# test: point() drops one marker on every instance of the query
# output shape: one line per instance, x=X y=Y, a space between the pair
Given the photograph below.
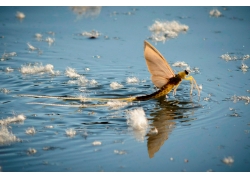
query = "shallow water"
x=194 y=133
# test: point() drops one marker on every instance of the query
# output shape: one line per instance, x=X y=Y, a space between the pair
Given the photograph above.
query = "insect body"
x=162 y=76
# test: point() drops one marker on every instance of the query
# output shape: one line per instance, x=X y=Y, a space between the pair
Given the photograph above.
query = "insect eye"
x=187 y=72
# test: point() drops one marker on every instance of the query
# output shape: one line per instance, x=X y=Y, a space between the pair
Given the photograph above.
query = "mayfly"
x=162 y=76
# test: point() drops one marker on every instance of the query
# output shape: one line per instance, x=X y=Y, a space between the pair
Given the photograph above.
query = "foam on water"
x=137 y=120
x=120 y=152
x=92 y=34
x=82 y=81
x=7 y=137
x=7 y=56
x=70 y=72
x=38 y=69
x=163 y=30
x=50 y=40
x=15 y=119
x=116 y=85
x=20 y=15
x=229 y=57
x=93 y=82
x=241 y=98
x=30 y=47
x=70 y=132
x=96 y=143
x=244 y=67
x=4 y=90
x=30 y=131
x=31 y=151
x=180 y=64
x=228 y=160
x=215 y=13
x=132 y=80
x=8 y=69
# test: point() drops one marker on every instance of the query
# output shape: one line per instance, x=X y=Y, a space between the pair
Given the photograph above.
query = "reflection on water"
x=162 y=120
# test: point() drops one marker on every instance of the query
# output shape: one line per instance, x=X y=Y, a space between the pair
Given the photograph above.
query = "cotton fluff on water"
x=14 y=119
x=70 y=132
x=36 y=69
x=163 y=30
x=7 y=137
x=138 y=122
x=137 y=119
x=116 y=85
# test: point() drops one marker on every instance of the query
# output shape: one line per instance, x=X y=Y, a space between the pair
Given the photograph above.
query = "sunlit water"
x=98 y=52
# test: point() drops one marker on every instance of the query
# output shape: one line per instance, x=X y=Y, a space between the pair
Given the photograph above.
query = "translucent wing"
x=158 y=67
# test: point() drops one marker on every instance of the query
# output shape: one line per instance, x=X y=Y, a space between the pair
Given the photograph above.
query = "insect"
x=162 y=76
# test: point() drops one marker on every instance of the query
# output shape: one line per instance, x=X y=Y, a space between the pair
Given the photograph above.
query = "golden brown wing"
x=158 y=67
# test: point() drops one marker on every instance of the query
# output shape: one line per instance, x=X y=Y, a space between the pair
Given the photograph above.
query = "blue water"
x=194 y=133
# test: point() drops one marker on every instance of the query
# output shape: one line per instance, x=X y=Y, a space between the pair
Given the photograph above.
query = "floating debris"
x=7 y=56
x=206 y=99
x=8 y=69
x=30 y=131
x=31 y=151
x=180 y=64
x=122 y=152
x=70 y=72
x=244 y=67
x=116 y=85
x=97 y=143
x=193 y=70
x=215 y=13
x=70 y=132
x=132 y=80
x=186 y=160
x=50 y=40
x=241 y=98
x=91 y=35
x=247 y=56
x=92 y=82
x=171 y=159
x=228 y=57
x=82 y=81
x=7 y=137
x=30 y=47
x=136 y=119
x=163 y=30
x=97 y=56
x=4 y=90
x=20 y=15
x=38 y=36
x=228 y=160
x=36 y=69
x=15 y=119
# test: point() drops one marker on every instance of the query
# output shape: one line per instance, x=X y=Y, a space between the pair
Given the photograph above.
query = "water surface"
x=194 y=133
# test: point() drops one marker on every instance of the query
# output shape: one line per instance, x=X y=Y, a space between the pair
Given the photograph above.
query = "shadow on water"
x=163 y=120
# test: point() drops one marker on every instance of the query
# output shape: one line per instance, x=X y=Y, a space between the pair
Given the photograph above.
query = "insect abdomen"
x=163 y=91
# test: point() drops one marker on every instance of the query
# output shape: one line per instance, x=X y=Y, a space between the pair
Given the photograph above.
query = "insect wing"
x=158 y=67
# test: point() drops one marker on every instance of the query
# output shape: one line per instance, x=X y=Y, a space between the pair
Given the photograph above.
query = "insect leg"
x=175 y=88
x=192 y=81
